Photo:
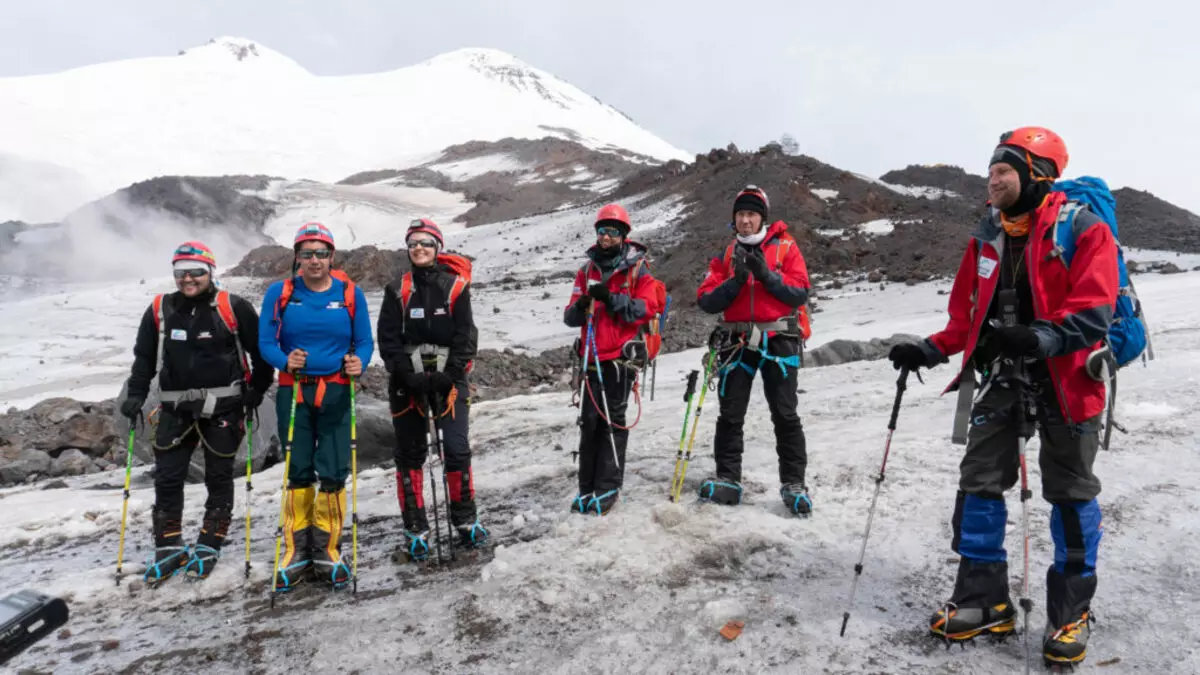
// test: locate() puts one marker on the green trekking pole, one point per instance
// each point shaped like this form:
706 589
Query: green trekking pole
287 463
687 413
677 487
125 502
249 468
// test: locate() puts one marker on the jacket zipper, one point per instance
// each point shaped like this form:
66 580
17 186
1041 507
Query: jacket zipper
1055 379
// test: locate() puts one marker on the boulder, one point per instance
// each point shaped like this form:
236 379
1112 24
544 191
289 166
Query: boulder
846 351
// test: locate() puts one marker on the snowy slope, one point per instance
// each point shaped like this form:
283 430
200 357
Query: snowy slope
646 588
234 106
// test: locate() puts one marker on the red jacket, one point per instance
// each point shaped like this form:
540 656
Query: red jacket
628 308
1073 308
785 289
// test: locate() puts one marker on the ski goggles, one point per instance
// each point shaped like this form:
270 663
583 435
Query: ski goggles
608 231
197 273
319 254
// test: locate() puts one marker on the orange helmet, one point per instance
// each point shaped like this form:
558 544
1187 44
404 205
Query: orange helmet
613 213
1041 143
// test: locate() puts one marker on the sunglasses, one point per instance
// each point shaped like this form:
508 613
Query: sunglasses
414 244
194 274
322 254
606 231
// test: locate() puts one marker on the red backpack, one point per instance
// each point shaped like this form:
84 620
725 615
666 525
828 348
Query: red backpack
785 241
224 309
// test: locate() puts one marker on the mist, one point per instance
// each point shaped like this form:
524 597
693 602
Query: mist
113 239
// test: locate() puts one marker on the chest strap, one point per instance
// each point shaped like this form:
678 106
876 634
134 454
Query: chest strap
433 355
208 395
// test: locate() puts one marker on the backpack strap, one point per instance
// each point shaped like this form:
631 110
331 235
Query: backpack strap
285 296
460 285
161 322
1064 231
224 307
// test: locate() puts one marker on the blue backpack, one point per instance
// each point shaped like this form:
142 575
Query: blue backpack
1127 335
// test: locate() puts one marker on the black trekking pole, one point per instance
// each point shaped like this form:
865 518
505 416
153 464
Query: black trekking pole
1008 311
901 385
430 444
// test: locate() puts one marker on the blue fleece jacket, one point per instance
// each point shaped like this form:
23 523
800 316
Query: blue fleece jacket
319 324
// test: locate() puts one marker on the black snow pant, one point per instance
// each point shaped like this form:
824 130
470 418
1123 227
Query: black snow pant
991 466
599 470
411 423
175 439
779 387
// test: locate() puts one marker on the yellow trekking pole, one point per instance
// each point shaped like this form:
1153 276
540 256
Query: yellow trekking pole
287 463
692 377
677 486
249 468
125 503
354 484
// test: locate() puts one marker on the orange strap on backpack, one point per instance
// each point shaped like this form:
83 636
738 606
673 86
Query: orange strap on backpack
224 307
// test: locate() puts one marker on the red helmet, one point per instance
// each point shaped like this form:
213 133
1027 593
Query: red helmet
194 250
613 212
313 232
1041 143
428 227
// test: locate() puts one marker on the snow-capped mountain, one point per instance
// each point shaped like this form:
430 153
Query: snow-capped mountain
236 106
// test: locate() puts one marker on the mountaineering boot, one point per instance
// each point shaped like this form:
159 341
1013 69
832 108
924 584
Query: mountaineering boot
170 554
207 550
1068 615
601 504
297 537
721 490
463 515
795 497
579 504
980 604
410 493
328 521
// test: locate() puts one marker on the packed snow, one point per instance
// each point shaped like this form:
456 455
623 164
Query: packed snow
921 191
238 107
647 587
825 194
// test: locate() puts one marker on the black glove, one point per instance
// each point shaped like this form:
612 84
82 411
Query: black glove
252 399
757 266
908 355
440 383
583 303
416 383
600 293
1017 341
132 407
741 273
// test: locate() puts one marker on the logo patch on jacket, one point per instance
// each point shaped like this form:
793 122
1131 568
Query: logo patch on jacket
334 304
417 312
440 311
987 266
178 334
204 335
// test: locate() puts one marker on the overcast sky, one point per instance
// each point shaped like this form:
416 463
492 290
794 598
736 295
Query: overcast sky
867 86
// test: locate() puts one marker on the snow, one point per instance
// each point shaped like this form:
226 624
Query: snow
359 215
209 112
825 193
920 191
647 587
876 227
466 169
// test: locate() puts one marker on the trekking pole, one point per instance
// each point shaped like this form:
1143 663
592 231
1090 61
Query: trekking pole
692 377
901 385
125 500
612 440
437 436
249 469
662 322
430 439
583 366
287 463
677 485
354 485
